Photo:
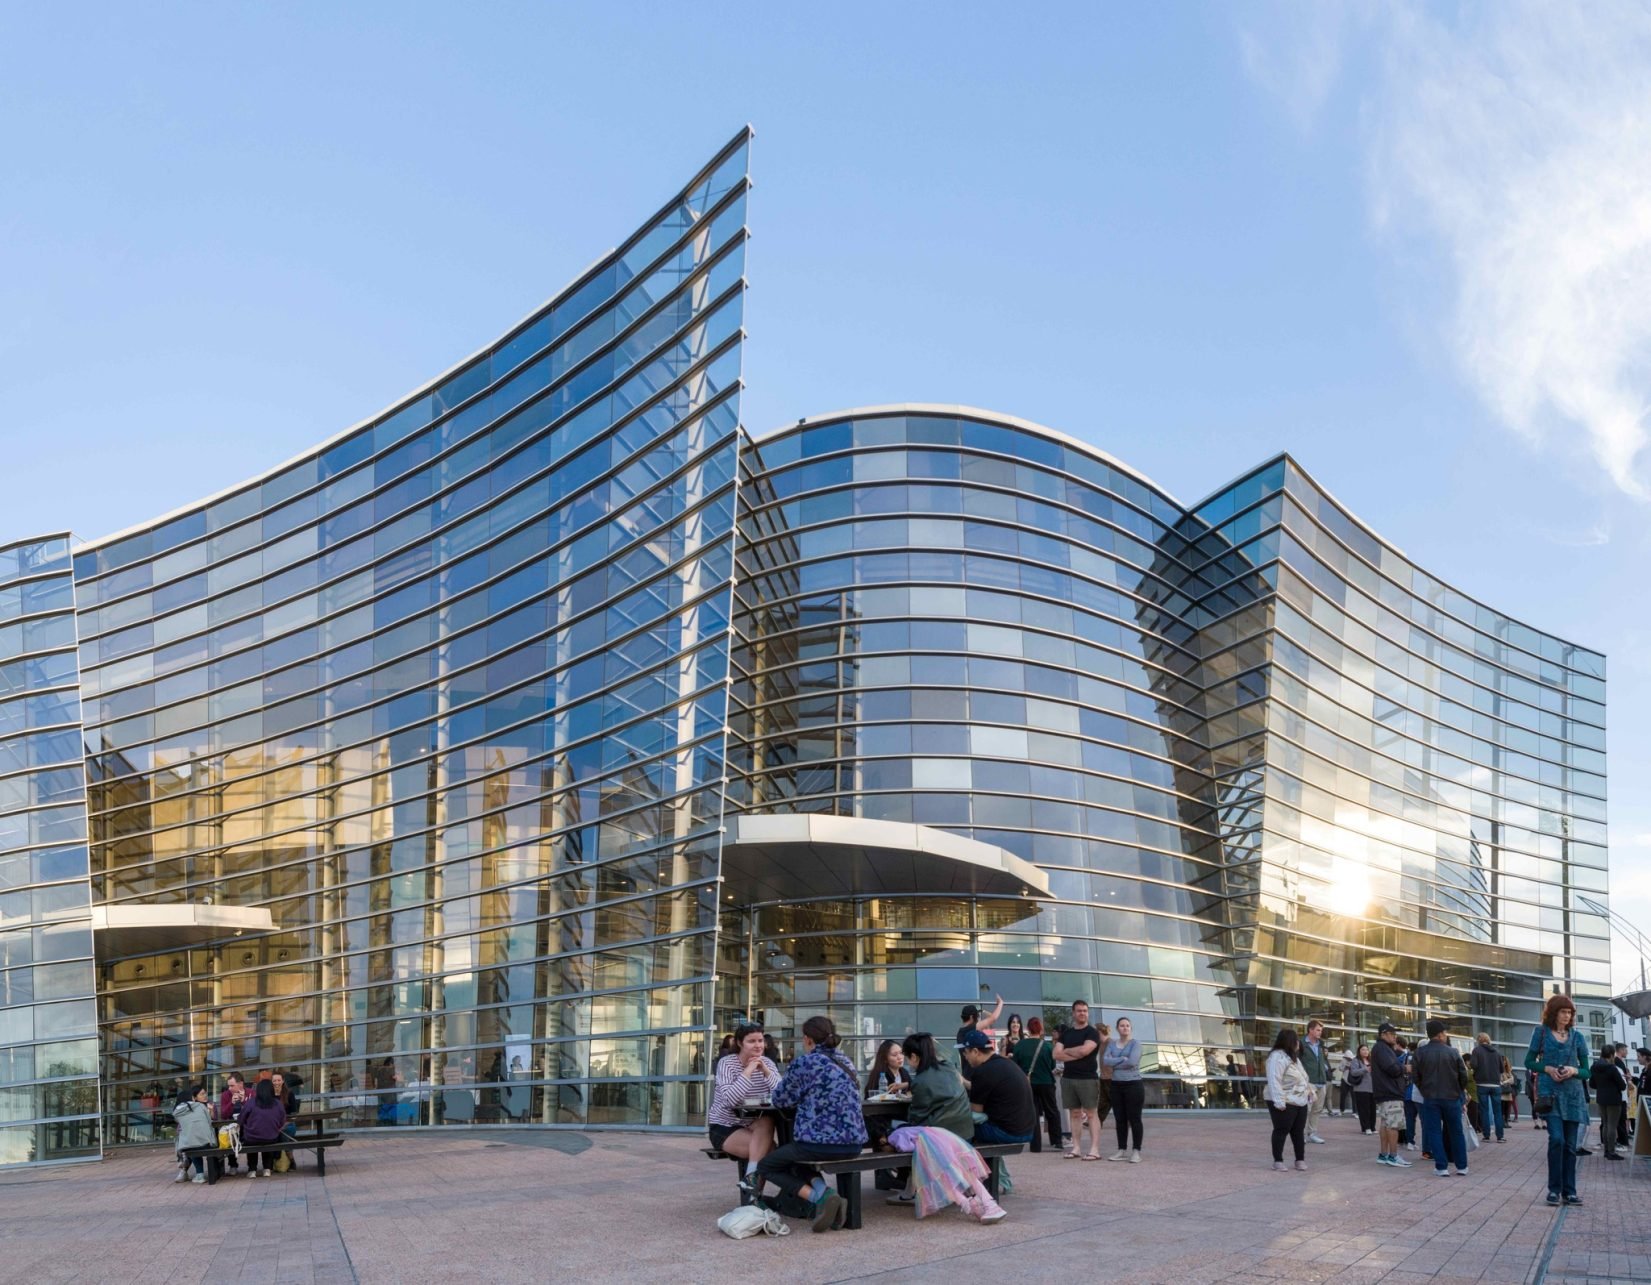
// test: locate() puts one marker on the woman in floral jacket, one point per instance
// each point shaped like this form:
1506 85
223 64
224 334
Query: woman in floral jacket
824 1087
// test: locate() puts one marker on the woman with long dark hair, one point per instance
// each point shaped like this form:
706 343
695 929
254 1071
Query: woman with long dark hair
824 1088
888 1072
1364 1089
1289 1093
1559 1057
262 1120
1012 1036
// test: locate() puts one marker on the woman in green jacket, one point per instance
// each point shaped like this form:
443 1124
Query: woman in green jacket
1037 1058
938 1096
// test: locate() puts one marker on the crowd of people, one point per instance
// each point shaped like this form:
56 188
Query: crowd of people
249 1117
1461 1099
1419 1095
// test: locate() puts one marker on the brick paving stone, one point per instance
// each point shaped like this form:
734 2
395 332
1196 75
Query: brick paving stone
1205 1209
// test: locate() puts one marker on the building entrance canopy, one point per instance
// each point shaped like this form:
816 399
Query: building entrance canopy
148 930
795 858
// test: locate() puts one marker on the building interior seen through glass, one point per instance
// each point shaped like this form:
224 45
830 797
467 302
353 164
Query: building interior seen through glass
470 707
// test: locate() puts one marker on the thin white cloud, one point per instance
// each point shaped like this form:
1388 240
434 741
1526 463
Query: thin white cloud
1300 68
1590 537
1516 139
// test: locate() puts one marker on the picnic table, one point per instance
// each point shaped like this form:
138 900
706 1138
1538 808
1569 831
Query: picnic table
318 1116
847 1172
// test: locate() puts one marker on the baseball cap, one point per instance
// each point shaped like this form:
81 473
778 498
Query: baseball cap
1385 1027
976 1040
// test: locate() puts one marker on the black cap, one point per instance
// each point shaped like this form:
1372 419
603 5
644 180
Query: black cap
1385 1027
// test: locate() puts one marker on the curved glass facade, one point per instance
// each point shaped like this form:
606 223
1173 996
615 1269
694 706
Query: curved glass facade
466 698
1272 769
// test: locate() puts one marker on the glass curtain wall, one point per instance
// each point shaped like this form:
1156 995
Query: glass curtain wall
1273 770
1428 776
48 1018
967 624
447 697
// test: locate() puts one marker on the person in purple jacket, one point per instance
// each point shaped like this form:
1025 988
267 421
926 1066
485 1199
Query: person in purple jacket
262 1119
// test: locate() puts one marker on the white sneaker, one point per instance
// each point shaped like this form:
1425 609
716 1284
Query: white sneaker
1134 1157
1313 1137
1122 1155
200 1177
180 1176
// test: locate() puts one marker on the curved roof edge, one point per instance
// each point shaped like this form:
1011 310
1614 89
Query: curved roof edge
745 134
972 412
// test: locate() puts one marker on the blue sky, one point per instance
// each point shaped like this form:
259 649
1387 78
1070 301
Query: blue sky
1414 252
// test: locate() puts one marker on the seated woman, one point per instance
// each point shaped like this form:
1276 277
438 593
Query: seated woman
262 1120
825 1089
888 1075
744 1072
936 1130
938 1096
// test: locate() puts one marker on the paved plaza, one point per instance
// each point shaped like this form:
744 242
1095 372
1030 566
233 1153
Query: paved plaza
1205 1206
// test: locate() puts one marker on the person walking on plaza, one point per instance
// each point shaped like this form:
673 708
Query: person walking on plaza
1288 1093
1625 1117
1123 1058
1344 1084
1610 1083
1412 1095
1387 1087
1000 1091
1078 1052
1510 1093
1559 1058
1034 1056
1487 1075
1315 1060
1442 1077
824 1087
1364 1090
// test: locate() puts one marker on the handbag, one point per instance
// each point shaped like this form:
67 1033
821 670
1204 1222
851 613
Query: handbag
283 1161
1542 1101
752 1220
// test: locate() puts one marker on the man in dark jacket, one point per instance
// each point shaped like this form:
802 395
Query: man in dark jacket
1442 1077
1610 1082
1486 1059
1387 1092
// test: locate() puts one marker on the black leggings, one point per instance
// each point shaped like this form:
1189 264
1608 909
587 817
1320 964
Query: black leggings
1366 1103
1290 1123
788 1169
1128 1097
1049 1107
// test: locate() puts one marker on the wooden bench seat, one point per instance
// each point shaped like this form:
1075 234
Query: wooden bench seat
847 1172
215 1157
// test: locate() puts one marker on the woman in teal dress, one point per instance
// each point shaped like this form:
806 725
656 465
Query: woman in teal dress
1560 1058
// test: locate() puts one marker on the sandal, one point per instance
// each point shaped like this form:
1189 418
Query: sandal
1073 1155
1088 1157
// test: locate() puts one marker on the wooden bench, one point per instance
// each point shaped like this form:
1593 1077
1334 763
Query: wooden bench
848 1172
215 1156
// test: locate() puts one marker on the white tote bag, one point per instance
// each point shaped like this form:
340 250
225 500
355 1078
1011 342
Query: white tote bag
751 1220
